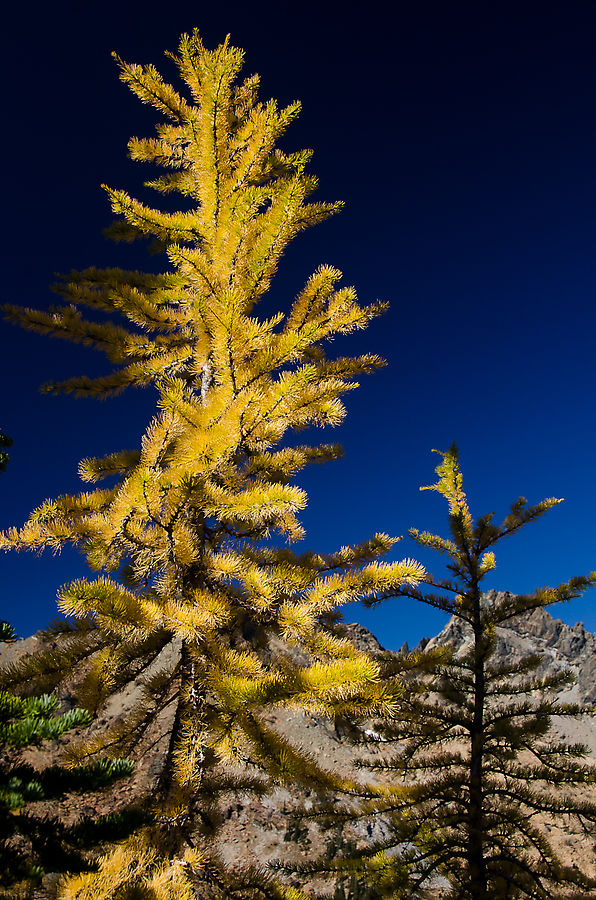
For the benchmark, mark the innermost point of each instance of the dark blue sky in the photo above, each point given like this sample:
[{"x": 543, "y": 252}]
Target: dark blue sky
[{"x": 462, "y": 138}]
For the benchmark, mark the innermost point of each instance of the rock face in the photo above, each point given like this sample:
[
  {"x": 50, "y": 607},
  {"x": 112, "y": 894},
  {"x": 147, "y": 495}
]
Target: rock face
[
  {"x": 262, "y": 830},
  {"x": 559, "y": 647}
]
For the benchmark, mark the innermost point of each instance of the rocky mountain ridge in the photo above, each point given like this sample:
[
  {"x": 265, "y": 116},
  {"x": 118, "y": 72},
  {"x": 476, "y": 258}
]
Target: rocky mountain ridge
[
  {"x": 560, "y": 646},
  {"x": 263, "y": 829}
]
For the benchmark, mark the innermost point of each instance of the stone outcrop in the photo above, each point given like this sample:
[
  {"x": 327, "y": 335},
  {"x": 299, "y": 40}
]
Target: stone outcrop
[
  {"x": 262, "y": 829},
  {"x": 559, "y": 647}
]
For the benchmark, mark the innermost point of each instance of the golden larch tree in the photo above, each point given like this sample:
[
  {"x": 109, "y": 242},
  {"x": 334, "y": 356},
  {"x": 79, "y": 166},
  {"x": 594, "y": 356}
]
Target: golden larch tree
[{"x": 185, "y": 531}]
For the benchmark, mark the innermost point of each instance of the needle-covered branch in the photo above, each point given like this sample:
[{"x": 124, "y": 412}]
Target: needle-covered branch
[{"x": 192, "y": 598}]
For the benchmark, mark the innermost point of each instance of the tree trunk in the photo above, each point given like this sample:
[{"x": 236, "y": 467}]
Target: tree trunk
[{"x": 476, "y": 860}]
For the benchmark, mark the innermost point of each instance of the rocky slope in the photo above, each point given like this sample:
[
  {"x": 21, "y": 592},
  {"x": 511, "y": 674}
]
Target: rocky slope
[
  {"x": 262, "y": 830},
  {"x": 559, "y": 646}
]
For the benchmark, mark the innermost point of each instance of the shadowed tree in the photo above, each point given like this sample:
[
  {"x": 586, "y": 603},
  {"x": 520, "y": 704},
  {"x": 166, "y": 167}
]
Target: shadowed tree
[{"x": 476, "y": 772}]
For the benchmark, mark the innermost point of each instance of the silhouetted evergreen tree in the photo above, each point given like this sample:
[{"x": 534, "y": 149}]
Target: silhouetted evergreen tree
[{"x": 471, "y": 771}]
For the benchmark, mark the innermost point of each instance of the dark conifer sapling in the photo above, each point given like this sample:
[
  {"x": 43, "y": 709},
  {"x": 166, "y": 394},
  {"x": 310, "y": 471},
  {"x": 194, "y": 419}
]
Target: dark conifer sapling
[{"x": 469, "y": 768}]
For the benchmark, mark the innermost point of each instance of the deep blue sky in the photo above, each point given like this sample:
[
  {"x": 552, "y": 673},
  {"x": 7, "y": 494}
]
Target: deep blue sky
[{"x": 462, "y": 138}]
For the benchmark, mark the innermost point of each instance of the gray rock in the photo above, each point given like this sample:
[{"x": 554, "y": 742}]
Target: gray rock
[{"x": 258, "y": 827}]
